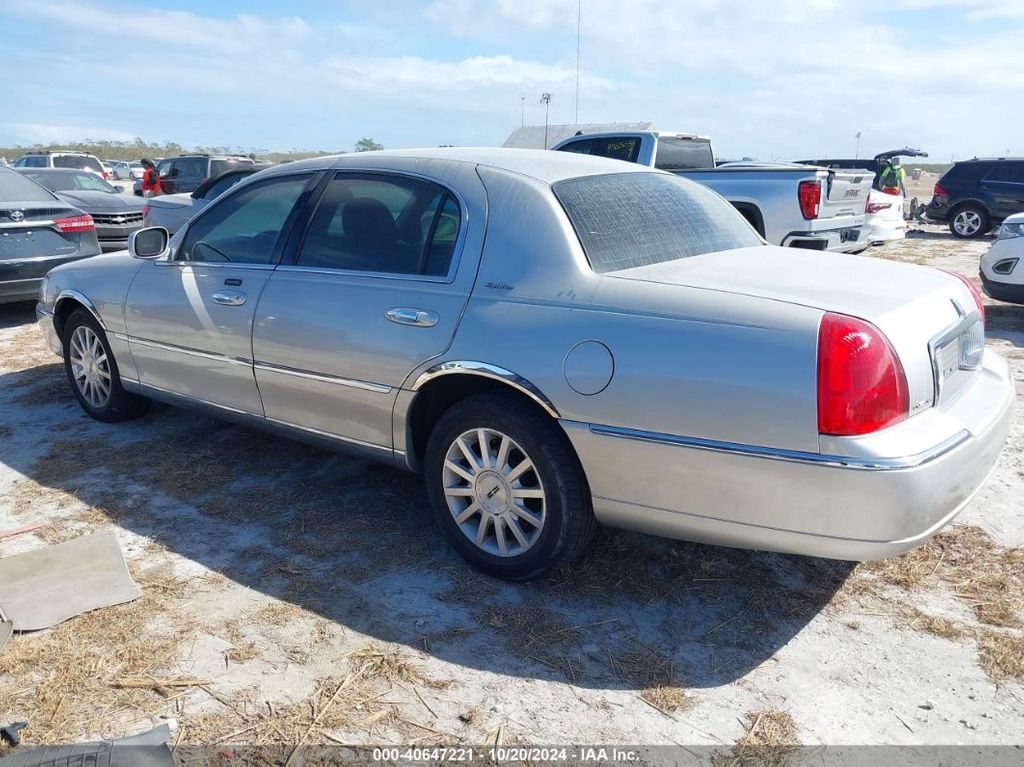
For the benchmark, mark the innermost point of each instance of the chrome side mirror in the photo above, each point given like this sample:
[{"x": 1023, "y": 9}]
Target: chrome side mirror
[{"x": 148, "y": 243}]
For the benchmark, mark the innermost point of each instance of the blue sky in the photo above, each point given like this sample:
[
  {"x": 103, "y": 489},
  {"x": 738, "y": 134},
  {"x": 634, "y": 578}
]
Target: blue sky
[{"x": 771, "y": 79}]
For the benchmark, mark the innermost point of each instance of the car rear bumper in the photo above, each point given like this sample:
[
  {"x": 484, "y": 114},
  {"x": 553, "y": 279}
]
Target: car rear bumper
[
  {"x": 841, "y": 507},
  {"x": 20, "y": 278},
  {"x": 847, "y": 239}
]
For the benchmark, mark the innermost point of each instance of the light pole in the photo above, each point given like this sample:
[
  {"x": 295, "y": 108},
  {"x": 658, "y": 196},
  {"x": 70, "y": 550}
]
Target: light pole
[
  {"x": 856, "y": 155},
  {"x": 545, "y": 99},
  {"x": 522, "y": 111},
  {"x": 579, "y": 25}
]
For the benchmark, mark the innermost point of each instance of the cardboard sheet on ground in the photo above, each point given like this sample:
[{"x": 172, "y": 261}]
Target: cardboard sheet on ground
[{"x": 46, "y": 586}]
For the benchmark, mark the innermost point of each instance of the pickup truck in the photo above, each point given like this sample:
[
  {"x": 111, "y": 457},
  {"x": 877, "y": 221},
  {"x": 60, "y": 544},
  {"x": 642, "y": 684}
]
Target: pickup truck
[{"x": 788, "y": 204}]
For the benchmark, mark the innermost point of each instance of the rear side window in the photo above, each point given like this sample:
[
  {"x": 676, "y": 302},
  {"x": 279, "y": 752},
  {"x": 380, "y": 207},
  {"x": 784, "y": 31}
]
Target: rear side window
[
  {"x": 34, "y": 161},
  {"x": 967, "y": 171},
  {"x": 381, "y": 223},
  {"x": 683, "y": 154},
  {"x": 77, "y": 161},
  {"x": 220, "y": 166},
  {"x": 1011, "y": 172},
  {"x": 16, "y": 188},
  {"x": 626, "y": 148},
  {"x": 624, "y": 220}
]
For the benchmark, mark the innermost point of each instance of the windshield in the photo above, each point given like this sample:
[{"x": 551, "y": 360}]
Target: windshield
[
  {"x": 625, "y": 220},
  {"x": 71, "y": 182},
  {"x": 14, "y": 188}
]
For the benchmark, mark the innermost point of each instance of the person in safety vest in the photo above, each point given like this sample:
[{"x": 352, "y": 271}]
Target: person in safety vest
[
  {"x": 893, "y": 177},
  {"x": 150, "y": 179}
]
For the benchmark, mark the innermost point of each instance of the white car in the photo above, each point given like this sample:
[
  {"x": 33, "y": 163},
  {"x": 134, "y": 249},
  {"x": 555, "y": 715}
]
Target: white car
[{"x": 1002, "y": 268}]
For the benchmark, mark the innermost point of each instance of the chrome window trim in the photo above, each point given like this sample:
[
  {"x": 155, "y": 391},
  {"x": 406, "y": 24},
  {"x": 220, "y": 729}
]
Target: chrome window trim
[
  {"x": 486, "y": 370},
  {"x": 457, "y": 250},
  {"x": 310, "y": 375},
  {"x": 80, "y": 298},
  {"x": 779, "y": 454},
  {"x": 186, "y": 351},
  {"x": 162, "y": 261}
]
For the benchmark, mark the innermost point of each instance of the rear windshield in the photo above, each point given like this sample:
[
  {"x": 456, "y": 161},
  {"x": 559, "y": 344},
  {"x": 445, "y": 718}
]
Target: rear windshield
[
  {"x": 625, "y": 220},
  {"x": 79, "y": 161},
  {"x": 16, "y": 188},
  {"x": 683, "y": 154}
]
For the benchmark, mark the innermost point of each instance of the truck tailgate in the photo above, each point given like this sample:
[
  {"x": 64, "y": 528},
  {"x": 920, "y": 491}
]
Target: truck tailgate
[{"x": 845, "y": 193}]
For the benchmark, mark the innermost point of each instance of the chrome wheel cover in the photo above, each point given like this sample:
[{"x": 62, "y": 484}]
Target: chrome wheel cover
[
  {"x": 967, "y": 222},
  {"x": 90, "y": 366},
  {"x": 494, "y": 492}
]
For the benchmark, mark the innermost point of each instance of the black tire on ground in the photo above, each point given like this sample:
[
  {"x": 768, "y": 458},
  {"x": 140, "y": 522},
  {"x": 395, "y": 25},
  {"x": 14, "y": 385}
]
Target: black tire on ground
[
  {"x": 569, "y": 522},
  {"x": 961, "y": 216},
  {"x": 120, "y": 405}
]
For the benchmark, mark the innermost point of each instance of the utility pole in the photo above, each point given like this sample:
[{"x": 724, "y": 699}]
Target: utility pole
[
  {"x": 856, "y": 155},
  {"x": 545, "y": 99},
  {"x": 522, "y": 111},
  {"x": 579, "y": 25}
]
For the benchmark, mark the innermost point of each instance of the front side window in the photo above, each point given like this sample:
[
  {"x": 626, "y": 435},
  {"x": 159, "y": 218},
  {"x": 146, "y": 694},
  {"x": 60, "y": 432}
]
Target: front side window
[
  {"x": 378, "y": 223},
  {"x": 625, "y": 220},
  {"x": 245, "y": 227}
]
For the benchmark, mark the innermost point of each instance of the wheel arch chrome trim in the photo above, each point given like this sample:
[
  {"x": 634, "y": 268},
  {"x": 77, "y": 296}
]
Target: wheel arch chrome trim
[
  {"x": 862, "y": 463},
  {"x": 80, "y": 298},
  {"x": 486, "y": 370}
]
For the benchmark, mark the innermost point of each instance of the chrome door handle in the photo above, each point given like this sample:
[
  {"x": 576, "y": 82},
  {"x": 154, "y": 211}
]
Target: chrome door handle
[
  {"x": 229, "y": 297},
  {"x": 405, "y": 315}
]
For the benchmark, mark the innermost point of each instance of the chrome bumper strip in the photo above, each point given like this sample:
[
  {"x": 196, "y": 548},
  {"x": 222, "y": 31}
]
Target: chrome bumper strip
[
  {"x": 777, "y": 454},
  {"x": 309, "y": 375}
]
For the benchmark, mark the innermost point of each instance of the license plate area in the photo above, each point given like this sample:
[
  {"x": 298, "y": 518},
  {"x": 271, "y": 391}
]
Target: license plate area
[{"x": 955, "y": 353}]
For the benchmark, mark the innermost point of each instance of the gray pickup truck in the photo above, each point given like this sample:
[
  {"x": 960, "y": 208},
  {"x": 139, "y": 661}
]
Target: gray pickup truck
[{"x": 790, "y": 205}]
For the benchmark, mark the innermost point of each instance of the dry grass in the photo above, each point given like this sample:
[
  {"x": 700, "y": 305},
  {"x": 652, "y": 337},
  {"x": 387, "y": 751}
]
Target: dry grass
[
  {"x": 653, "y": 674},
  {"x": 989, "y": 577},
  {"x": 62, "y": 680},
  {"x": 534, "y": 633},
  {"x": 243, "y": 652},
  {"x": 25, "y": 348},
  {"x": 1001, "y": 654},
  {"x": 770, "y": 740},
  {"x": 936, "y": 625}
]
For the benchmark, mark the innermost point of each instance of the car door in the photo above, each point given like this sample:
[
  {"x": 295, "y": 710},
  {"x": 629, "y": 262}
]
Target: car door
[
  {"x": 375, "y": 285},
  {"x": 1006, "y": 185},
  {"x": 169, "y": 172},
  {"x": 189, "y": 316}
]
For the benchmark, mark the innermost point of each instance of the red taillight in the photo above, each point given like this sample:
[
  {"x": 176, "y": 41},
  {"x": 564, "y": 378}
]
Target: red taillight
[
  {"x": 106, "y": 175},
  {"x": 938, "y": 191},
  {"x": 861, "y": 383},
  {"x": 82, "y": 223},
  {"x": 875, "y": 207},
  {"x": 978, "y": 300},
  {"x": 809, "y": 194}
]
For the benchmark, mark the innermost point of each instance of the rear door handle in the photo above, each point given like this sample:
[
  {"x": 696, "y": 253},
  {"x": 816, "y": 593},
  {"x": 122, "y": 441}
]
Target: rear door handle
[
  {"x": 229, "y": 297},
  {"x": 405, "y": 315}
]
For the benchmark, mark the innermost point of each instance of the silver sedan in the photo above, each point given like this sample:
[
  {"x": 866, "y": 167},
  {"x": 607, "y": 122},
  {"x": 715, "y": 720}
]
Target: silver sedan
[{"x": 555, "y": 341}]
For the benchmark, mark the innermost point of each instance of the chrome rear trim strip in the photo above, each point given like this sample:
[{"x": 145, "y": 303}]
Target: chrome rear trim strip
[
  {"x": 309, "y": 375},
  {"x": 777, "y": 454}
]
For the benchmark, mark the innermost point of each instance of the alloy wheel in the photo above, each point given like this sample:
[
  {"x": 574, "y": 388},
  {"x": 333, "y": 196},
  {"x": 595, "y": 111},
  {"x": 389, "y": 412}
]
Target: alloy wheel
[
  {"x": 494, "y": 492},
  {"x": 90, "y": 366},
  {"x": 967, "y": 223}
]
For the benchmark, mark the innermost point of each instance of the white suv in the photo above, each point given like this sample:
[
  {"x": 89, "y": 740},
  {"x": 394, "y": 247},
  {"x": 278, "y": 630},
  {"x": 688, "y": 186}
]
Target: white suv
[{"x": 75, "y": 160}]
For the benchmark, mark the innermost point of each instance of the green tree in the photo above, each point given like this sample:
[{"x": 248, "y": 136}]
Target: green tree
[{"x": 367, "y": 145}]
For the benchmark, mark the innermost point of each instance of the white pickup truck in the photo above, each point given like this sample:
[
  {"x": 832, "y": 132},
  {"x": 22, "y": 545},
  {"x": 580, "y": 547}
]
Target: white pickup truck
[{"x": 788, "y": 204}]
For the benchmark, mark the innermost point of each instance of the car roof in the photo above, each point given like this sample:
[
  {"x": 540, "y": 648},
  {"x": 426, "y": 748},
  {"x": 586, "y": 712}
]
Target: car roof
[
  {"x": 54, "y": 171},
  {"x": 543, "y": 165},
  {"x": 991, "y": 159}
]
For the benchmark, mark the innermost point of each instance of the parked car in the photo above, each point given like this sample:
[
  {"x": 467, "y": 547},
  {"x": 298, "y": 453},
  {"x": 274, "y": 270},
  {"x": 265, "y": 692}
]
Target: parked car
[
  {"x": 555, "y": 341},
  {"x": 975, "y": 195},
  {"x": 171, "y": 211},
  {"x": 789, "y": 205},
  {"x": 37, "y": 231},
  {"x": 1002, "y": 268},
  {"x": 115, "y": 215},
  {"x": 75, "y": 160},
  {"x": 884, "y": 220},
  {"x": 187, "y": 172},
  {"x": 123, "y": 170}
]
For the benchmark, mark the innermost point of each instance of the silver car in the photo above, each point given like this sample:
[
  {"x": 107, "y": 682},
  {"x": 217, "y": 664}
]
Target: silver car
[{"x": 554, "y": 341}]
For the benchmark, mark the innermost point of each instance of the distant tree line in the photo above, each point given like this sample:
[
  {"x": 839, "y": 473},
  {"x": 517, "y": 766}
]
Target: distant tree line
[{"x": 136, "y": 149}]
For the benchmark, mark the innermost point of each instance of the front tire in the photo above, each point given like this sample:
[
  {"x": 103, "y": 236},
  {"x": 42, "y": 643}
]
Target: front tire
[
  {"x": 507, "y": 488},
  {"x": 969, "y": 221},
  {"x": 93, "y": 374}
]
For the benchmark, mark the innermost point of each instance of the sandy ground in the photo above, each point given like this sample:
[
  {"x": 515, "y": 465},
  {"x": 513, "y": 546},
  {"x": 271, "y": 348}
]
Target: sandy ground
[{"x": 314, "y": 600}]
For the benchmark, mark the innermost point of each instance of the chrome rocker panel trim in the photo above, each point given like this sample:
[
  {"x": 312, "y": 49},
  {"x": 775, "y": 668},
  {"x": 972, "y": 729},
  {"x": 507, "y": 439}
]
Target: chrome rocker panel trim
[{"x": 757, "y": 451}]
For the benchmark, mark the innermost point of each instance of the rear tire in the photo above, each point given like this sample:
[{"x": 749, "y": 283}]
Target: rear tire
[
  {"x": 93, "y": 374},
  {"x": 968, "y": 222},
  {"x": 521, "y": 509}
]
